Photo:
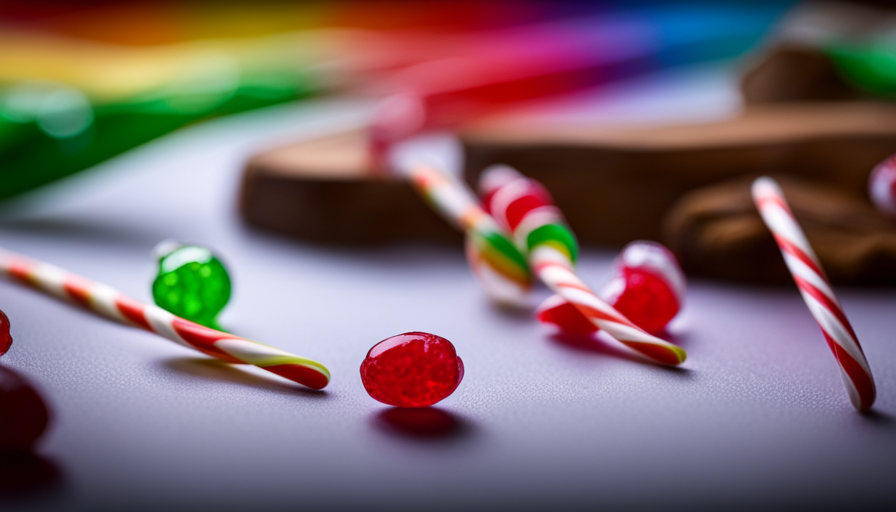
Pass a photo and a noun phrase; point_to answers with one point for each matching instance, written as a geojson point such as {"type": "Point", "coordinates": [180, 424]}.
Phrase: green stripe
{"type": "Point", "coordinates": [500, 247]}
{"type": "Point", "coordinates": [555, 235]}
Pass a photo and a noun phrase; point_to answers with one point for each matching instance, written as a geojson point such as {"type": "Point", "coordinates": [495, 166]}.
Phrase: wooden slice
{"type": "Point", "coordinates": [323, 190]}
{"type": "Point", "coordinates": [613, 183]}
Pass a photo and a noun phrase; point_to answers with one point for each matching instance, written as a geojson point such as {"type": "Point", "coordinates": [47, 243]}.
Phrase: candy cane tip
{"type": "Point", "coordinates": [680, 354]}
{"type": "Point", "coordinates": [496, 176]}
{"type": "Point", "coordinates": [763, 186]}
{"type": "Point", "coordinates": [667, 354]}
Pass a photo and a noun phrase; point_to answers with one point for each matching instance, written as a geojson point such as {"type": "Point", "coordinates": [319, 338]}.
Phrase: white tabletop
{"type": "Point", "coordinates": [758, 414]}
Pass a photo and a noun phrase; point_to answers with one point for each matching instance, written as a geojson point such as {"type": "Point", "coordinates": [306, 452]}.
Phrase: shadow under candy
{"type": "Point", "coordinates": [424, 424]}
{"type": "Point", "coordinates": [877, 419]}
{"type": "Point", "coordinates": [27, 475]}
{"type": "Point", "coordinates": [594, 344]}
{"type": "Point", "coordinates": [213, 369]}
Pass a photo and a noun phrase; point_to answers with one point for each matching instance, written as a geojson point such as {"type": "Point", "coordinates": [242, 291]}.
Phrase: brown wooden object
{"type": "Point", "coordinates": [796, 73]}
{"type": "Point", "coordinates": [613, 184]}
{"type": "Point", "coordinates": [717, 232]}
{"type": "Point", "coordinates": [323, 190]}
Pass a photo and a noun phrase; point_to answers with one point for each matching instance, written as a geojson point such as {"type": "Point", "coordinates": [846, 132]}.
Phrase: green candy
{"type": "Point", "coordinates": [192, 283]}
{"type": "Point", "coordinates": [557, 236]}
{"type": "Point", "coordinates": [869, 67]}
{"type": "Point", "coordinates": [49, 131]}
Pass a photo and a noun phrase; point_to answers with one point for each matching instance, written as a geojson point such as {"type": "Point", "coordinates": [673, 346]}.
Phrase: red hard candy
{"type": "Point", "coordinates": [23, 414]}
{"type": "Point", "coordinates": [648, 289]}
{"type": "Point", "coordinates": [646, 300]}
{"type": "Point", "coordinates": [5, 337]}
{"type": "Point", "coordinates": [882, 186]}
{"type": "Point", "coordinates": [414, 369]}
{"type": "Point", "coordinates": [557, 311]}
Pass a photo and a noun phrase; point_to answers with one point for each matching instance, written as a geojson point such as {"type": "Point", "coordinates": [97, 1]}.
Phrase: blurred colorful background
{"type": "Point", "coordinates": [83, 82]}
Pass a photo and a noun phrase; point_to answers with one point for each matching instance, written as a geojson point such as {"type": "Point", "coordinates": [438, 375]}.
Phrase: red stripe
{"type": "Point", "coordinates": [133, 311]}
{"type": "Point", "coordinates": [21, 270]}
{"type": "Point", "coordinates": [203, 338]}
{"type": "Point", "coordinates": [519, 207]}
{"type": "Point", "coordinates": [576, 286]}
{"type": "Point", "coordinates": [788, 246]}
{"type": "Point", "coordinates": [860, 379]}
{"type": "Point", "coordinates": [588, 311]}
{"type": "Point", "coordinates": [78, 289]}
{"type": "Point", "coordinates": [829, 305]}
{"type": "Point", "coordinates": [301, 374]}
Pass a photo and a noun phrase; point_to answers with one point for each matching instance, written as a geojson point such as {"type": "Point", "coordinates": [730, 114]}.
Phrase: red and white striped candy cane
{"type": "Point", "coordinates": [524, 207]}
{"type": "Point", "coordinates": [496, 262]}
{"type": "Point", "coordinates": [816, 291]}
{"type": "Point", "coordinates": [112, 304]}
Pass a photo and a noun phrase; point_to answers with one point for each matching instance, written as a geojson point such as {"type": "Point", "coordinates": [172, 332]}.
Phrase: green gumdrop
{"type": "Point", "coordinates": [192, 283]}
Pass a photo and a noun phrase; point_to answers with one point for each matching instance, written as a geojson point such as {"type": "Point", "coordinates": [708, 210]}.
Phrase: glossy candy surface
{"type": "Point", "coordinates": [648, 289]}
{"type": "Point", "coordinates": [414, 369]}
{"type": "Point", "coordinates": [192, 283]}
{"type": "Point", "coordinates": [5, 336]}
{"type": "Point", "coordinates": [644, 298]}
{"type": "Point", "coordinates": [23, 414]}
{"type": "Point", "coordinates": [882, 187]}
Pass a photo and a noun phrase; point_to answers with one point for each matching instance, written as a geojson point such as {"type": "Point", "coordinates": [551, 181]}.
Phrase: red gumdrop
{"type": "Point", "coordinates": [647, 300]}
{"type": "Point", "coordinates": [555, 310]}
{"type": "Point", "coordinates": [640, 295]}
{"type": "Point", "coordinates": [414, 369]}
{"type": "Point", "coordinates": [5, 337]}
{"type": "Point", "coordinates": [23, 414]}
{"type": "Point", "coordinates": [882, 186]}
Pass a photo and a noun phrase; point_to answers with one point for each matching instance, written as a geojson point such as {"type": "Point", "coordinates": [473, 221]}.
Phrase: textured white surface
{"type": "Point", "coordinates": [756, 416]}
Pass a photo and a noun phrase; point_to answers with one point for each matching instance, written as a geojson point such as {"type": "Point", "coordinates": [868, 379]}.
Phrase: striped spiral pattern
{"type": "Point", "coordinates": [524, 208]}
{"type": "Point", "coordinates": [816, 291]}
{"type": "Point", "coordinates": [495, 260]}
{"type": "Point", "coordinates": [112, 304]}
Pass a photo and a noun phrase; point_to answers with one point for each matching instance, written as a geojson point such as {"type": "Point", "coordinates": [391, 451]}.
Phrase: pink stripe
{"type": "Point", "coordinates": [776, 200]}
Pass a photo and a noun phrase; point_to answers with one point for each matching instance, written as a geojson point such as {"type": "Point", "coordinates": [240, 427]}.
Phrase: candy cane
{"type": "Point", "coordinates": [495, 260]}
{"type": "Point", "coordinates": [523, 207]}
{"type": "Point", "coordinates": [112, 304]}
{"type": "Point", "coordinates": [816, 291]}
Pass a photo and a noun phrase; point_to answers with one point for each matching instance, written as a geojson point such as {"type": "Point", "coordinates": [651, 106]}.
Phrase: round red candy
{"type": "Point", "coordinates": [414, 369]}
{"type": "Point", "coordinates": [882, 186]}
{"type": "Point", "coordinates": [646, 299]}
{"type": "Point", "coordinates": [556, 310]}
{"type": "Point", "coordinates": [23, 415]}
{"type": "Point", "coordinates": [5, 337]}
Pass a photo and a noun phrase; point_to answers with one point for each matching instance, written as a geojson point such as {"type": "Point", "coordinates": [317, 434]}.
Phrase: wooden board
{"type": "Point", "coordinates": [614, 184]}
